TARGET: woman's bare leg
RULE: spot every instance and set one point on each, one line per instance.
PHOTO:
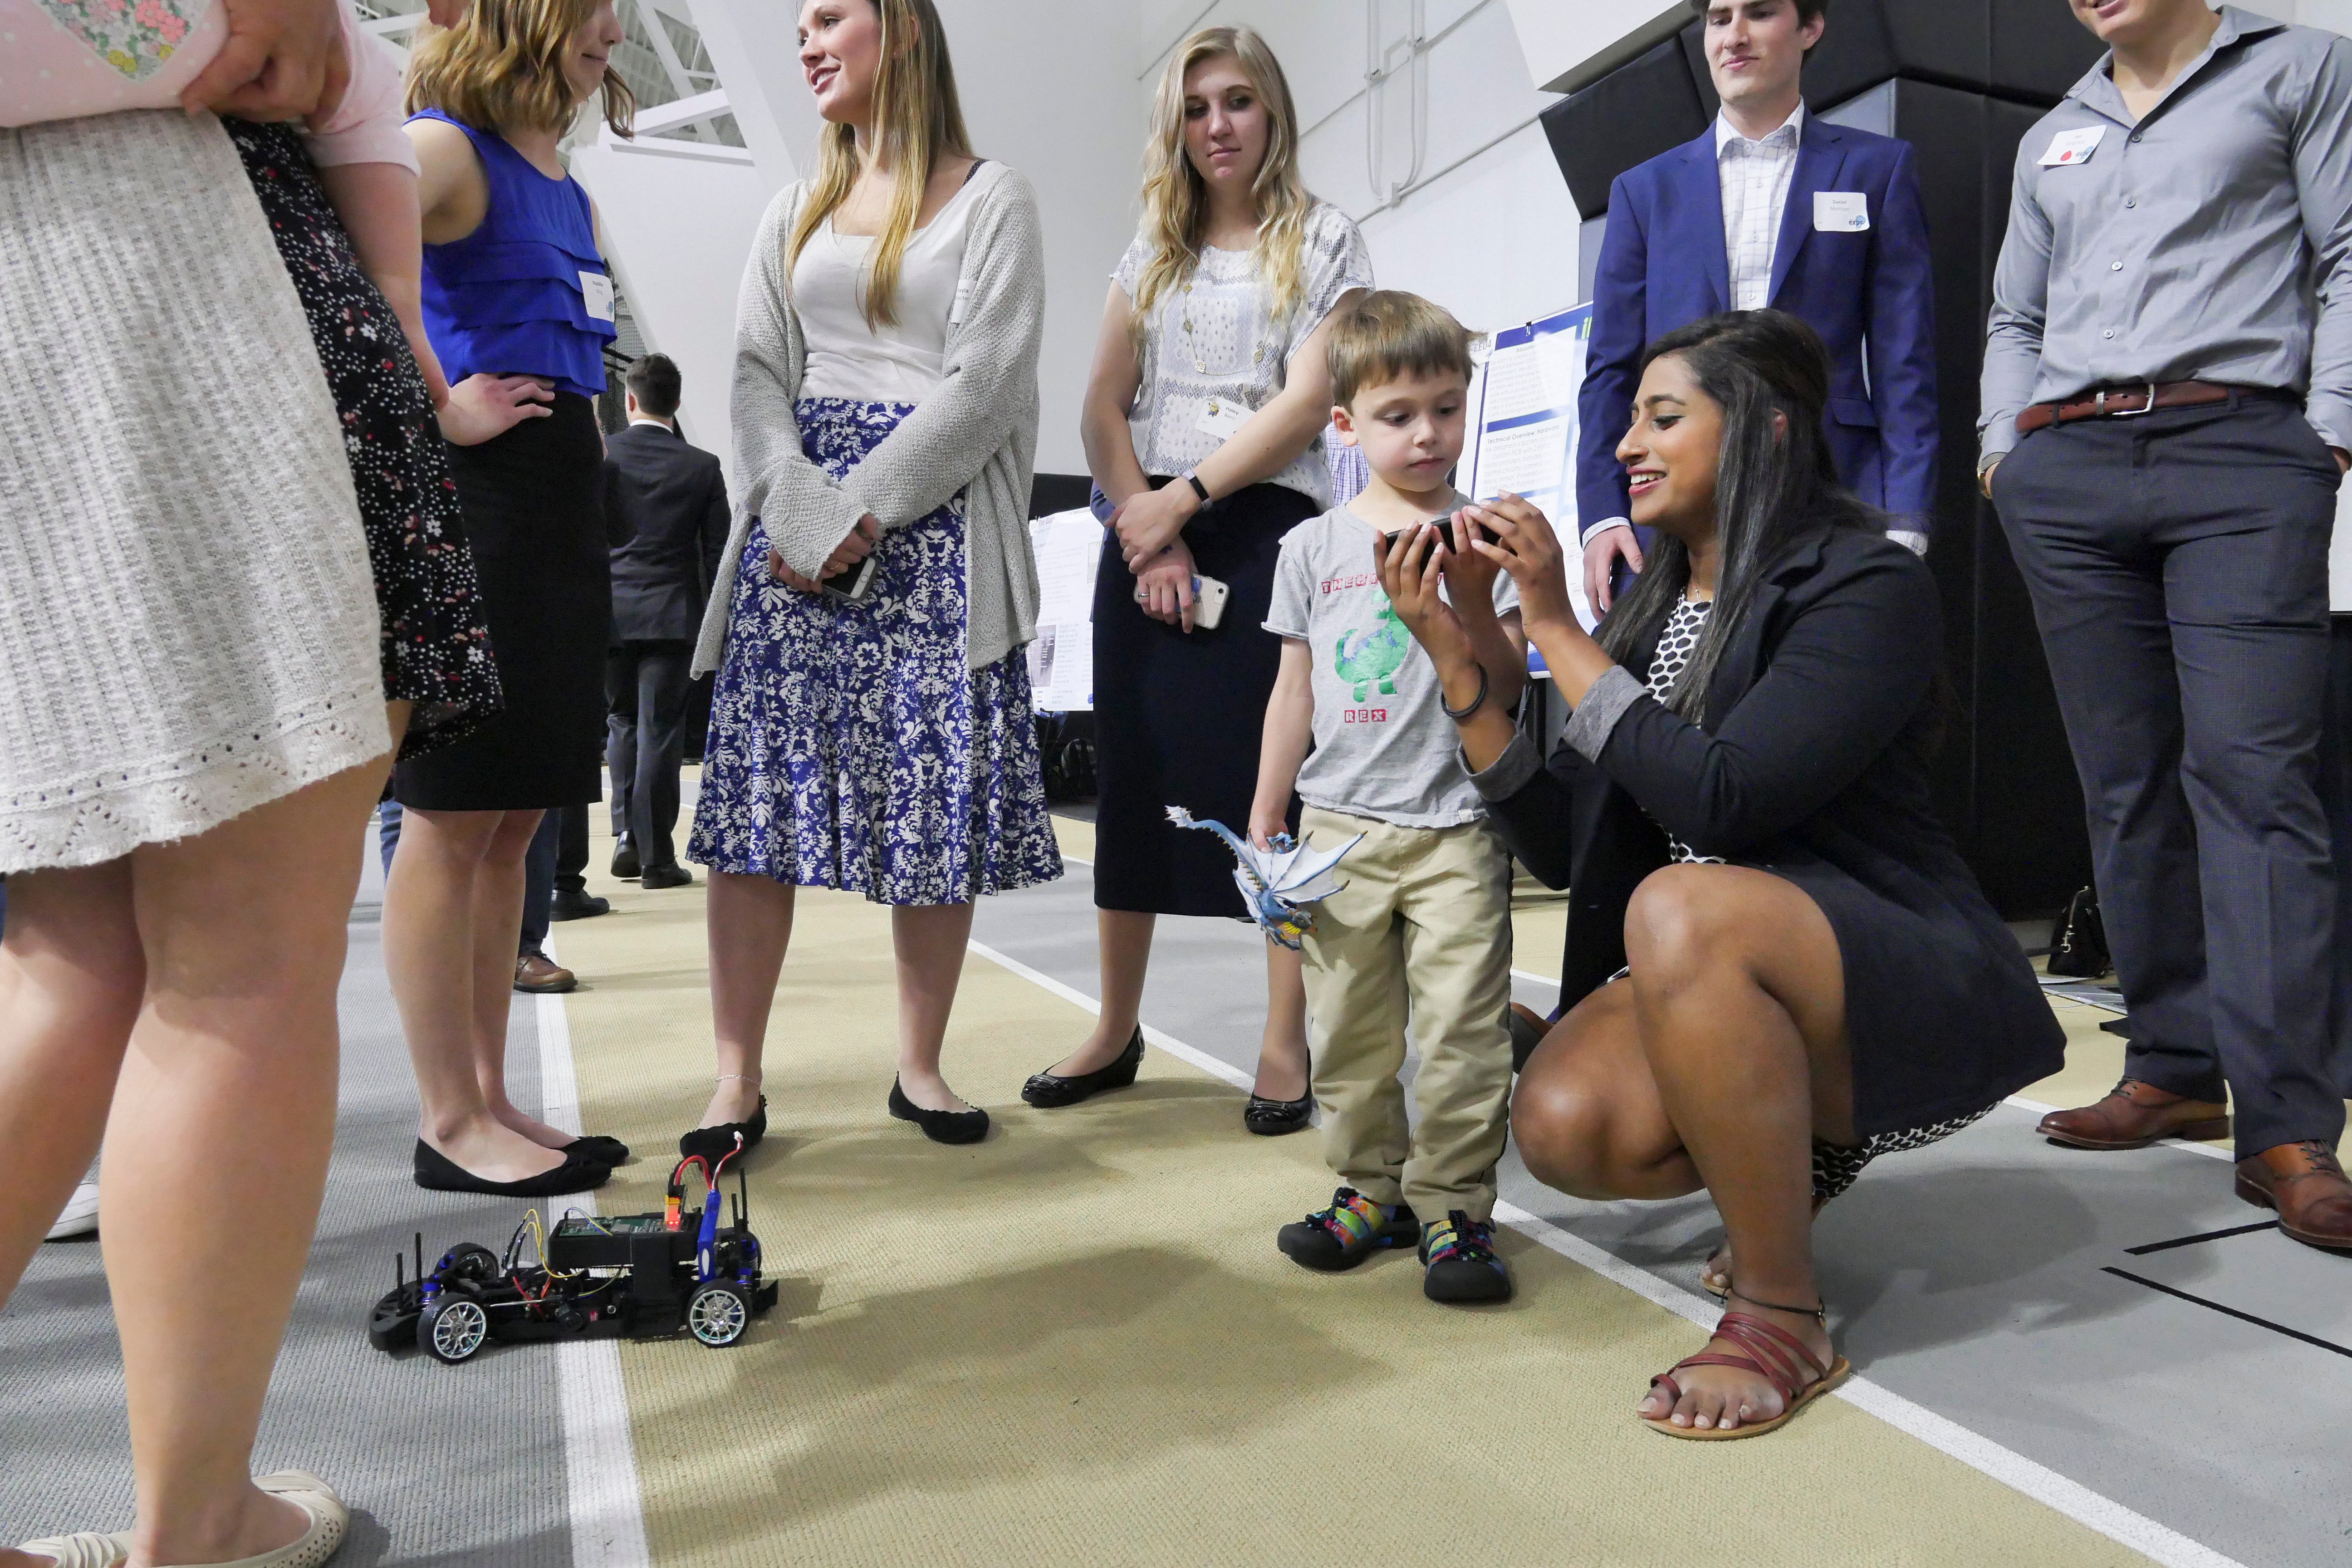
(1739, 993)
(929, 941)
(432, 952)
(1125, 956)
(217, 960)
(71, 975)
(750, 925)
(1713, 1067)
(498, 929)
(1282, 1055)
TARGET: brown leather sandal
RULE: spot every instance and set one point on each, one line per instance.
(1773, 1354)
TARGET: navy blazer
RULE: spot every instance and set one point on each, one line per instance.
(1870, 295)
(668, 503)
(1811, 761)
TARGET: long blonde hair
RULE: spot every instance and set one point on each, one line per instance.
(1176, 199)
(501, 68)
(917, 121)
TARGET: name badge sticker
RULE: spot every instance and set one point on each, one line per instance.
(596, 294)
(2071, 147)
(1840, 212)
(1222, 417)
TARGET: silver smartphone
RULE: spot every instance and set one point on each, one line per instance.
(1209, 597)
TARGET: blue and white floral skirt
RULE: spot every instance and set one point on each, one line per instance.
(852, 746)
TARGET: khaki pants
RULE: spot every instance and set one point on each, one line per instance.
(1423, 929)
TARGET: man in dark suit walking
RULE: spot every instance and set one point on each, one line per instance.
(670, 500)
(1770, 206)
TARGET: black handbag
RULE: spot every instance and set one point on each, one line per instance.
(2079, 951)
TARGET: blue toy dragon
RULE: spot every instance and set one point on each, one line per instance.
(1277, 884)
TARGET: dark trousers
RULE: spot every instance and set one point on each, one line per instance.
(2178, 568)
(646, 686)
(557, 859)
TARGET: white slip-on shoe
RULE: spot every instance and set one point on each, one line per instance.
(329, 1519)
(83, 1549)
(79, 1218)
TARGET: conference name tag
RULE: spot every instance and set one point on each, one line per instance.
(2070, 147)
(596, 294)
(1840, 212)
(1222, 417)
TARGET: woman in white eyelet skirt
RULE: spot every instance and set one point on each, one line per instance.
(193, 727)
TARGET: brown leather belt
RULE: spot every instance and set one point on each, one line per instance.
(2114, 402)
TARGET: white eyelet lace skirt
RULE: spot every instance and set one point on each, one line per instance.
(188, 623)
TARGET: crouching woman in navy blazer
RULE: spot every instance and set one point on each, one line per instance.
(1777, 966)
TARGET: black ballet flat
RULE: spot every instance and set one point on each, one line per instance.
(711, 1142)
(939, 1126)
(1273, 1117)
(597, 1147)
(1045, 1090)
(436, 1172)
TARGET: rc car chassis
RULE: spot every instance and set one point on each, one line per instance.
(642, 1276)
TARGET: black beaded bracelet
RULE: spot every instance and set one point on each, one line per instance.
(1458, 714)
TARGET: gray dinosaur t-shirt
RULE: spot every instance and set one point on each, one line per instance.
(1383, 746)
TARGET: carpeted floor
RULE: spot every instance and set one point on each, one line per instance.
(1076, 1344)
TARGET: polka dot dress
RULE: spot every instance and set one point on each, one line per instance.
(436, 645)
(1677, 643)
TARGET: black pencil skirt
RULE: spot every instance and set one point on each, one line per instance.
(1178, 715)
(534, 510)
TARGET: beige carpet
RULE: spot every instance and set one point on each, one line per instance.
(1076, 1344)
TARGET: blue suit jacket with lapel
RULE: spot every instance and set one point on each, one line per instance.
(1869, 295)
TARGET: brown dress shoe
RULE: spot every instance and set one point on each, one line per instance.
(2135, 1115)
(2305, 1185)
(542, 975)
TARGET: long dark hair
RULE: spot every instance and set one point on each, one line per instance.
(1771, 488)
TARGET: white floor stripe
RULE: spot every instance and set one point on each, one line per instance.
(600, 1459)
(1530, 976)
(2078, 1503)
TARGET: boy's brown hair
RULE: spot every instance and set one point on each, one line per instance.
(1389, 334)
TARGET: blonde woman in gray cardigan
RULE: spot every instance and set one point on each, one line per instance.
(886, 414)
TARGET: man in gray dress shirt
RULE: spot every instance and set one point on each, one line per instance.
(2166, 413)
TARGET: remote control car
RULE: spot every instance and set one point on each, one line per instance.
(643, 1275)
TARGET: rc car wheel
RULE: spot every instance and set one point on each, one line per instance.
(471, 1260)
(717, 1314)
(453, 1328)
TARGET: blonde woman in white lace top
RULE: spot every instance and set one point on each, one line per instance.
(1204, 429)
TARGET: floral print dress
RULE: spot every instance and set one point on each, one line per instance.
(852, 746)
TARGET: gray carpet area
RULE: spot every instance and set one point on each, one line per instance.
(1971, 1278)
(441, 1465)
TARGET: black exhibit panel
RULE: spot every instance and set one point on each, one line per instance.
(1961, 80)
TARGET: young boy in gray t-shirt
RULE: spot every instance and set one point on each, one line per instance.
(1423, 926)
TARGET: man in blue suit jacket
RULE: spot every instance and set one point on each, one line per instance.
(1775, 208)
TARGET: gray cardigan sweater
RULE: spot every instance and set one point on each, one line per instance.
(976, 436)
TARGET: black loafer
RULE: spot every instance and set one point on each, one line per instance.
(711, 1142)
(939, 1126)
(1273, 1117)
(624, 861)
(1047, 1090)
(436, 1172)
(597, 1147)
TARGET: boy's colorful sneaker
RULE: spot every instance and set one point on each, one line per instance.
(1459, 1253)
(1347, 1232)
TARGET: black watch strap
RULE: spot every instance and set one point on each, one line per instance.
(1199, 488)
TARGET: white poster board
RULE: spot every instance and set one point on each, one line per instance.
(1523, 426)
(1068, 547)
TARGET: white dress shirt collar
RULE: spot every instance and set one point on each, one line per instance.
(1792, 128)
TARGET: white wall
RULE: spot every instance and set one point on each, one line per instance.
(676, 227)
(1571, 43)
